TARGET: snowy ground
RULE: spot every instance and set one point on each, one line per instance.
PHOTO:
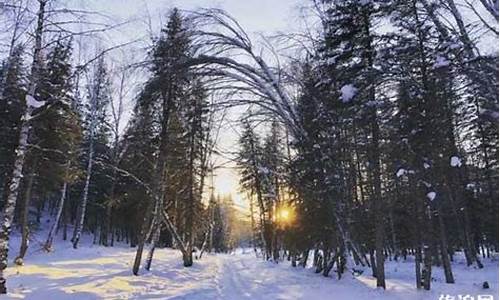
(93, 272)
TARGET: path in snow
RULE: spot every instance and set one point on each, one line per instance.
(105, 273)
(248, 278)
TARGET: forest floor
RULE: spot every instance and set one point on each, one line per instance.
(95, 272)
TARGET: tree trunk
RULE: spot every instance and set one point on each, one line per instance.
(373, 264)
(375, 165)
(66, 217)
(444, 250)
(188, 229)
(83, 204)
(418, 271)
(60, 207)
(109, 205)
(142, 237)
(25, 219)
(427, 270)
(154, 242)
(13, 190)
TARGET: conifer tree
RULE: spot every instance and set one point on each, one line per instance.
(12, 105)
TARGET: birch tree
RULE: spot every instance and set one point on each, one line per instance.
(31, 106)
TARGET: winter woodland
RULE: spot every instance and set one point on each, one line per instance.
(362, 145)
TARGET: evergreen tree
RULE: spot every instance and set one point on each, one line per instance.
(12, 105)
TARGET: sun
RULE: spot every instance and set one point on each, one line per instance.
(284, 214)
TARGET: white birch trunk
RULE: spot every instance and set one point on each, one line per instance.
(83, 203)
(52, 232)
(154, 242)
(17, 174)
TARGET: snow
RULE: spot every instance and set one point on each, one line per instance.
(441, 62)
(455, 161)
(372, 103)
(348, 92)
(263, 170)
(32, 102)
(431, 195)
(94, 272)
(427, 185)
(470, 186)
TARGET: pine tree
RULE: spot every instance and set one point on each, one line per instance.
(169, 83)
(60, 130)
(253, 173)
(12, 105)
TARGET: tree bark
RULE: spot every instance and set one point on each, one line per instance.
(60, 208)
(154, 241)
(83, 204)
(25, 218)
(142, 237)
(444, 250)
(13, 190)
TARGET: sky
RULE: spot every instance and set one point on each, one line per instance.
(255, 16)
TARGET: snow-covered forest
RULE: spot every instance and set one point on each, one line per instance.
(171, 152)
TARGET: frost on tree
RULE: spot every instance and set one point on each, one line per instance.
(348, 92)
(455, 161)
(431, 196)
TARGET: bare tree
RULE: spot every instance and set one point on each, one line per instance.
(31, 106)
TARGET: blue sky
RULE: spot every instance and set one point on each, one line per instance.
(255, 15)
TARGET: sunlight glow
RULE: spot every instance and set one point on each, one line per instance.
(226, 182)
(285, 215)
